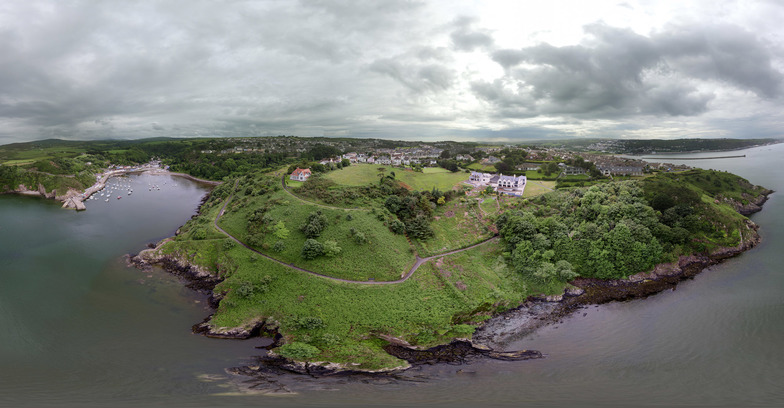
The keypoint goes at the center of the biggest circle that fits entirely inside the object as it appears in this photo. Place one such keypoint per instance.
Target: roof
(299, 171)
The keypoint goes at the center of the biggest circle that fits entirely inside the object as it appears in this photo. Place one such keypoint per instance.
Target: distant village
(495, 160)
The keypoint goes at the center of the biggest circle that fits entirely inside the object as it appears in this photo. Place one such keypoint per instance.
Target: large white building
(511, 185)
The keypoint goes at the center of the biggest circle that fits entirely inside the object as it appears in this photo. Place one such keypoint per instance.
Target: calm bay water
(79, 328)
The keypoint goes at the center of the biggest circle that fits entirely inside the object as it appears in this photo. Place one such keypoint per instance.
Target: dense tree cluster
(604, 232)
(511, 159)
(414, 209)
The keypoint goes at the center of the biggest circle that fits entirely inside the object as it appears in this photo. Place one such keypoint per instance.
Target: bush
(331, 248)
(298, 351)
(419, 228)
(309, 323)
(281, 232)
(199, 234)
(397, 227)
(245, 289)
(279, 247)
(314, 225)
(330, 340)
(312, 249)
(360, 238)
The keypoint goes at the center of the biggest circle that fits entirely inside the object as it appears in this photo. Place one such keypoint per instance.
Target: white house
(480, 178)
(300, 174)
(511, 185)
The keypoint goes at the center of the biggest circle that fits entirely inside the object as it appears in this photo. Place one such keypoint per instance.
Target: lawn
(362, 174)
(534, 188)
(537, 175)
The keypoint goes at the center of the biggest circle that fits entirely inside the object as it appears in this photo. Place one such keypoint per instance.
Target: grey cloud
(721, 52)
(617, 72)
(466, 38)
(416, 77)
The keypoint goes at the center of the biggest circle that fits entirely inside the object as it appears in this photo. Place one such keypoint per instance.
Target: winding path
(417, 264)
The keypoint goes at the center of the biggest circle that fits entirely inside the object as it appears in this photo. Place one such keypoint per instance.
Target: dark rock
(456, 352)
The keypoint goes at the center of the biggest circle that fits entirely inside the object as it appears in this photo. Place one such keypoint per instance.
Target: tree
(312, 249)
(419, 227)
(345, 162)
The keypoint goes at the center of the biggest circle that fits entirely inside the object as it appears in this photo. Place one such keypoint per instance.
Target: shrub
(331, 248)
(397, 227)
(298, 351)
(199, 234)
(314, 225)
(279, 247)
(281, 232)
(419, 227)
(245, 289)
(312, 249)
(360, 238)
(330, 340)
(309, 323)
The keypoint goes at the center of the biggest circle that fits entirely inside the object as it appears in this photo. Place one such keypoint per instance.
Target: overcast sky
(429, 70)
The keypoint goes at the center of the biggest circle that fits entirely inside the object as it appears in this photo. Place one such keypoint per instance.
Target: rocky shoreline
(539, 311)
(535, 312)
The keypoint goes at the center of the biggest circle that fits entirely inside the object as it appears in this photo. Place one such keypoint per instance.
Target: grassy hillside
(362, 174)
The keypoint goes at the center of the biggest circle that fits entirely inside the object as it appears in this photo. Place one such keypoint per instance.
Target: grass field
(385, 256)
(537, 175)
(482, 168)
(21, 162)
(431, 177)
(534, 188)
(361, 174)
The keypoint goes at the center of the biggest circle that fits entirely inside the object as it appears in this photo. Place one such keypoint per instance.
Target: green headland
(362, 255)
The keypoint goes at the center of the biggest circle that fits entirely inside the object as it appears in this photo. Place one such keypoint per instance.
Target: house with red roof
(300, 174)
